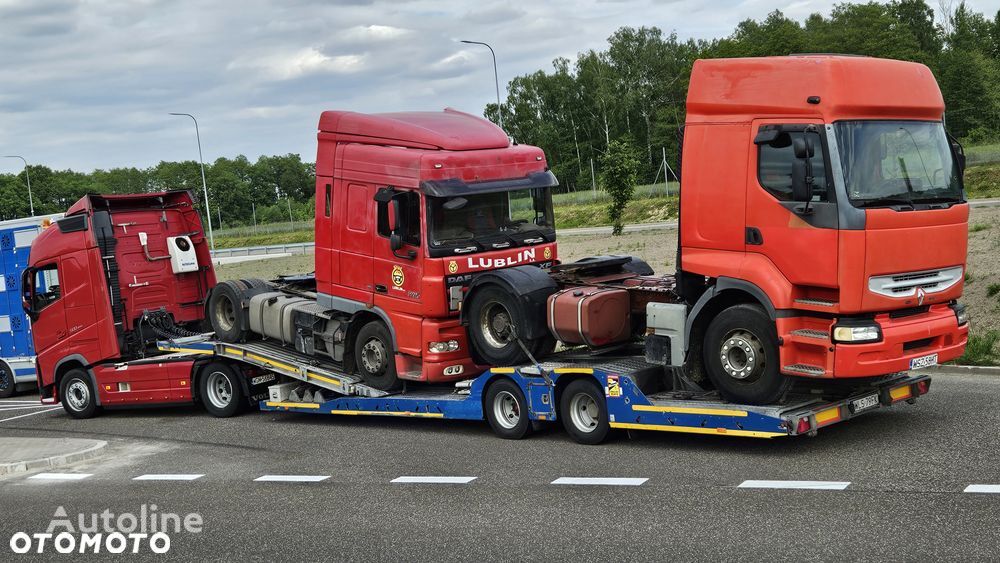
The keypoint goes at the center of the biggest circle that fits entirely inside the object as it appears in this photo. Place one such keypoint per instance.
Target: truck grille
(906, 284)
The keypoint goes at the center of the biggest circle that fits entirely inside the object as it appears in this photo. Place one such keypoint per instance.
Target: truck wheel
(741, 356)
(78, 396)
(584, 412)
(7, 383)
(225, 311)
(220, 390)
(494, 319)
(506, 410)
(374, 357)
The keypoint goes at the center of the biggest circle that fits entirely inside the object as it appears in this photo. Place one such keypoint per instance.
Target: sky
(88, 84)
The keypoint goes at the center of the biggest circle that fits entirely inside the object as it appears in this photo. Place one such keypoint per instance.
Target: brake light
(803, 426)
(923, 387)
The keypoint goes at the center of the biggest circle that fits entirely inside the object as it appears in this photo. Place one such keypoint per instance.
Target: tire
(584, 412)
(507, 410)
(226, 313)
(7, 383)
(220, 390)
(78, 396)
(374, 358)
(740, 355)
(493, 317)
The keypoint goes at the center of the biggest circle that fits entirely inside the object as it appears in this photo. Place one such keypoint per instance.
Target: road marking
(169, 477)
(292, 478)
(29, 414)
(621, 481)
(982, 489)
(20, 402)
(814, 485)
(22, 407)
(61, 476)
(433, 479)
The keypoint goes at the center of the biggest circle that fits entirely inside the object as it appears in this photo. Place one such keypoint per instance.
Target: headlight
(442, 347)
(960, 313)
(859, 333)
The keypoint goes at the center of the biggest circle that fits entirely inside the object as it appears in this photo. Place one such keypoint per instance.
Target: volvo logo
(921, 294)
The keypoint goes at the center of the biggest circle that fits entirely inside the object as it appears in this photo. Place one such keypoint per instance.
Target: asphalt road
(907, 468)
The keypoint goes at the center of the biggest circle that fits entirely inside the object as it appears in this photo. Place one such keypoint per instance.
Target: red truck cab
(823, 193)
(408, 207)
(103, 283)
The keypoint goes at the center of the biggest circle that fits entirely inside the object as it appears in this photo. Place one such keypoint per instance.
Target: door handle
(754, 237)
(381, 288)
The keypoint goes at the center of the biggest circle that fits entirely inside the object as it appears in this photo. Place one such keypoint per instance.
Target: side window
(774, 166)
(328, 197)
(410, 204)
(47, 288)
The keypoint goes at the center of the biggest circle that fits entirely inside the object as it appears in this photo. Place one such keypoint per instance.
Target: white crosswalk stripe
(982, 489)
(433, 479)
(169, 477)
(612, 481)
(808, 485)
(292, 478)
(61, 476)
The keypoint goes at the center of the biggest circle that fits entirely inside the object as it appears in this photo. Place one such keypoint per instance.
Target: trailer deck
(621, 378)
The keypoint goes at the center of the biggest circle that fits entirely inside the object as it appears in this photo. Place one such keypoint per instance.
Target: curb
(96, 450)
(965, 370)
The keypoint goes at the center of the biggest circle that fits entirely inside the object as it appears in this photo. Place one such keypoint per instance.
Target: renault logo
(921, 294)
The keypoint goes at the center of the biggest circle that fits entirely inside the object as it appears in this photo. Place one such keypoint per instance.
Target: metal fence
(291, 248)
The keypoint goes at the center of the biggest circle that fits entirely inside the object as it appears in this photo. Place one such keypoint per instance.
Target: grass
(979, 227)
(983, 181)
(981, 350)
(992, 289)
(982, 154)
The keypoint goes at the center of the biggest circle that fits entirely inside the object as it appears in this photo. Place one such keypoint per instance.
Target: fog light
(454, 370)
(442, 347)
(865, 333)
(960, 313)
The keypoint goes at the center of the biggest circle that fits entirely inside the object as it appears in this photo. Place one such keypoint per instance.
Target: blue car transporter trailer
(592, 394)
(17, 353)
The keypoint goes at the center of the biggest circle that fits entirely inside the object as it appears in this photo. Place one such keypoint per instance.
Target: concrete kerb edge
(54, 461)
(964, 370)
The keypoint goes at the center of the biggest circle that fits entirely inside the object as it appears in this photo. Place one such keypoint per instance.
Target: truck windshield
(490, 221)
(897, 162)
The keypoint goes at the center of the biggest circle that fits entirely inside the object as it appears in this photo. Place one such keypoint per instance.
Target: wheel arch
(358, 320)
(71, 362)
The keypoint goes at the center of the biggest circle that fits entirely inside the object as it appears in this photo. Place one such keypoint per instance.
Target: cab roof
(445, 130)
(847, 87)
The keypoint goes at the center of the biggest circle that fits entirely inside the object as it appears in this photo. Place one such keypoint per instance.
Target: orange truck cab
(823, 222)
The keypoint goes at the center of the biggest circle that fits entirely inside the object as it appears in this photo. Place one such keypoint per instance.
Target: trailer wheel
(507, 410)
(219, 390)
(493, 320)
(584, 412)
(225, 312)
(374, 357)
(741, 356)
(7, 383)
(78, 396)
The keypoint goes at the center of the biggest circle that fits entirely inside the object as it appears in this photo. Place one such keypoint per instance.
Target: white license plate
(262, 379)
(923, 361)
(864, 403)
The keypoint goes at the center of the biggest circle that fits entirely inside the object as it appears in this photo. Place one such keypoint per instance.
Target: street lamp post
(204, 185)
(27, 176)
(496, 76)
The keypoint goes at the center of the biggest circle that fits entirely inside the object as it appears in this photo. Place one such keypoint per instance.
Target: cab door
(799, 238)
(399, 274)
(45, 294)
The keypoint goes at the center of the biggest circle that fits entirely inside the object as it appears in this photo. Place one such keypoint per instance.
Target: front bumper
(903, 339)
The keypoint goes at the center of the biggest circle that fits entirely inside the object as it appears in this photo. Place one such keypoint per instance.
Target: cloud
(88, 83)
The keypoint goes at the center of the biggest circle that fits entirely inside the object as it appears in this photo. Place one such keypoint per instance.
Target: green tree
(619, 173)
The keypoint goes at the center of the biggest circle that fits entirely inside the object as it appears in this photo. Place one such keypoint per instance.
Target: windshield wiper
(894, 199)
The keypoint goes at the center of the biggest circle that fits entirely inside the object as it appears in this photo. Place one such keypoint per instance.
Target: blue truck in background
(17, 353)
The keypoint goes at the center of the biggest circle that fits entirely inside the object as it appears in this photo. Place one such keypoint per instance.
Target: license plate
(924, 361)
(864, 403)
(262, 379)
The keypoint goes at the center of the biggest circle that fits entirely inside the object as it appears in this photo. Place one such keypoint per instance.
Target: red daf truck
(823, 233)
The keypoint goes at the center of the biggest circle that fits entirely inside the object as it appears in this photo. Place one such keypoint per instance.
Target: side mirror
(27, 293)
(395, 241)
(803, 147)
(802, 181)
(959, 152)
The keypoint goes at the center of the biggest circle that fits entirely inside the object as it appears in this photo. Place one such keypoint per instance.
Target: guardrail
(292, 248)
